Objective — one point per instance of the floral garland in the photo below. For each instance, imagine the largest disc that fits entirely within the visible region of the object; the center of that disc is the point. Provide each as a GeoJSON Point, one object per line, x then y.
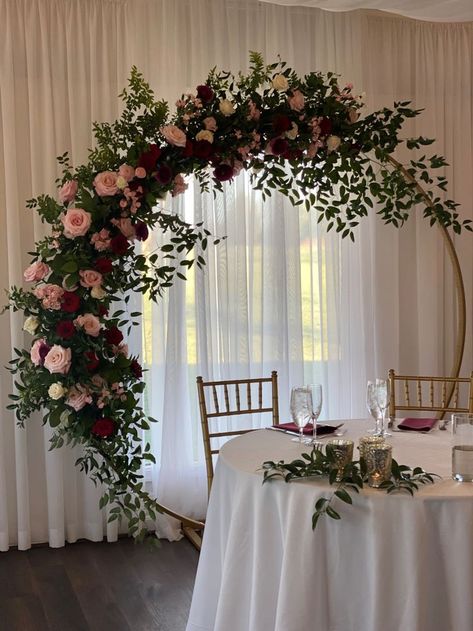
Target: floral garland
{"type": "Point", "coordinates": [301, 136]}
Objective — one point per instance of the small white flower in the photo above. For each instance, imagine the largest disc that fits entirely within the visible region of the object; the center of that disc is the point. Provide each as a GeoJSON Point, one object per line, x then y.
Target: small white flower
{"type": "Point", "coordinates": [31, 324]}
{"type": "Point", "coordinates": [333, 143]}
{"type": "Point", "coordinates": [56, 391]}
{"type": "Point", "coordinates": [205, 134]}
{"type": "Point", "coordinates": [280, 83]}
{"type": "Point", "coordinates": [98, 292]}
{"type": "Point", "coordinates": [292, 133]}
{"type": "Point", "coordinates": [226, 107]}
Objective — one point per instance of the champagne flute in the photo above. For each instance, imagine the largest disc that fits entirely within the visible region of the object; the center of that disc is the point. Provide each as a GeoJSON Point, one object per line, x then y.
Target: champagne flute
{"type": "Point", "coordinates": [301, 409]}
{"type": "Point", "coordinates": [373, 408]}
{"type": "Point", "coordinates": [315, 390]}
{"type": "Point", "coordinates": [382, 399]}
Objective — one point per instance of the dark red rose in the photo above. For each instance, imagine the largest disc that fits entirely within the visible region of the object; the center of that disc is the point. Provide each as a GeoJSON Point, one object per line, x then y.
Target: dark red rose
{"type": "Point", "coordinates": [70, 302]}
{"type": "Point", "coordinates": [103, 265]}
{"type": "Point", "coordinates": [103, 427]}
{"type": "Point", "coordinates": [325, 126]}
{"type": "Point", "coordinates": [203, 149]}
{"type": "Point", "coordinates": [279, 146]}
{"type": "Point", "coordinates": [293, 154]}
{"type": "Point", "coordinates": [164, 174]}
{"type": "Point", "coordinates": [148, 159]}
{"type": "Point", "coordinates": [65, 329]}
{"type": "Point", "coordinates": [136, 369]}
{"type": "Point", "coordinates": [119, 244]}
{"type": "Point", "coordinates": [43, 351]}
{"type": "Point", "coordinates": [281, 123]}
{"type": "Point", "coordinates": [92, 361]}
{"type": "Point", "coordinates": [103, 311]}
{"type": "Point", "coordinates": [188, 150]}
{"type": "Point", "coordinates": [205, 93]}
{"type": "Point", "coordinates": [223, 172]}
{"type": "Point", "coordinates": [113, 335]}
{"type": "Point", "coordinates": [134, 185]}
{"type": "Point", "coordinates": [141, 230]}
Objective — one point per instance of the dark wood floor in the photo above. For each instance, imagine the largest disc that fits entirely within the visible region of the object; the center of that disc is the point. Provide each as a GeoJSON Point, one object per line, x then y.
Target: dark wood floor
{"type": "Point", "coordinates": [97, 587]}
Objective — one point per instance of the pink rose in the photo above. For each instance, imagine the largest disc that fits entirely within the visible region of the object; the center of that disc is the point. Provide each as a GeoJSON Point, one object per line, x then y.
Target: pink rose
{"type": "Point", "coordinates": [174, 135]}
{"type": "Point", "coordinates": [101, 240]}
{"type": "Point", "coordinates": [296, 101]}
{"type": "Point", "coordinates": [68, 192]}
{"type": "Point", "coordinates": [76, 222]}
{"type": "Point", "coordinates": [126, 172]}
{"type": "Point", "coordinates": [210, 123]}
{"type": "Point", "coordinates": [78, 397]}
{"type": "Point", "coordinates": [58, 360]}
{"type": "Point", "coordinates": [253, 113]}
{"type": "Point", "coordinates": [179, 185]}
{"type": "Point", "coordinates": [89, 323]}
{"type": "Point", "coordinates": [36, 271]}
{"type": "Point", "coordinates": [140, 172]}
{"type": "Point", "coordinates": [125, 226]}
{"type": "Point", "coordinates": [50, 295]}
{"type": "Point", "coordinates": [38, 352]}
{"type": "Point", "coordinates": [105, 184]}
{"type": "Point", "coordinates": [90, 278]}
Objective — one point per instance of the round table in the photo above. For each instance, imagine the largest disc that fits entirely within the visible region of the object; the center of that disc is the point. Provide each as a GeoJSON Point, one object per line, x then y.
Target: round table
{"type": "Point", "coordinates": [391, 563]}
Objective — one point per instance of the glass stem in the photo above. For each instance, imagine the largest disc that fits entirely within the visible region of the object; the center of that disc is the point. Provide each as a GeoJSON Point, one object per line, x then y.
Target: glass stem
{"type": "Point", "coordinates": [301, 434]}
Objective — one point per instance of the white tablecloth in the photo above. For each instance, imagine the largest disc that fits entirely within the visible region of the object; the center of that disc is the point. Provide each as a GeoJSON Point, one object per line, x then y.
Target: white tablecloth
{"type": "Point", "coordinates": [392, 563]}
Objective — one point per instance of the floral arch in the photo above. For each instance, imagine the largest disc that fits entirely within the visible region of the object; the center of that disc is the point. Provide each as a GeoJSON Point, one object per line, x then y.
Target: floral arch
{"type": "Point", "coordinates": [301, 136]}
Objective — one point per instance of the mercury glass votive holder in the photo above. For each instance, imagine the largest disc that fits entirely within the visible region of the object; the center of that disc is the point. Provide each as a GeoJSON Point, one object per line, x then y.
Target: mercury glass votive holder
{"type": "Point", "coordinates": [368, 442]}
{"type": "Point", "coordinates": [378, 463]}
{"type": "Point", "coordinates": [342, 451]}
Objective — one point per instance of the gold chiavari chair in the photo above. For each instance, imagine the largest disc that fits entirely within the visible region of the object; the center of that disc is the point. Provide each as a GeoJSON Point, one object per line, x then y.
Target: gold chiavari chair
{"type": "Point", "coordinates": [430, 394]}
{"type": "Point", "coordinates": [233, 397]}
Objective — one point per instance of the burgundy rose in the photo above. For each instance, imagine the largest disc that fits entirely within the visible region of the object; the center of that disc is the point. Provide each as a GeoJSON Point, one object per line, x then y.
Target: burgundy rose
{"type": "Point", "coordinates": [102, 311]}
{"type": "Point", "coordinates": [203, 149]}
{"type": "Point", "coordinates": [136, 369]}
{"type": "Point", "coordinates": [188, 150]}
{"type": "Point", "coordinates": [325, 126]}
{"type": "Point", "coordinates": [92, 361]}
{"type": "Point", "coordinates": [103, 265]}
{"type": "Point", "coordinates": [65, 329]}
{"type": "Point", "coordinates": [43, 351]}
{"type": "Point", "coordinates": [113, 335]}
{"type": "Point", "coordinates": [279, 146]}
{"type": "Point", "coordinates": [205, 93]}
{"type": "Point", "coordinates": [141, 230]}
{"type": "Point", "coordinates": [164, 174]}
{"type": "Point", "coordinates": [293, 154]}
{"type": "Point", "coordinates": [148, 159]}
{"type": "Point", "coordinates": [119, 244]}
{"type": "Point", "coordinates": [103, 427]}
{"type": "Point", "coordinates": [223, 172]}
{"type": "Point", "coordinates": [70, 302]}
{"type": "Point", "coordinates": [281, 123]}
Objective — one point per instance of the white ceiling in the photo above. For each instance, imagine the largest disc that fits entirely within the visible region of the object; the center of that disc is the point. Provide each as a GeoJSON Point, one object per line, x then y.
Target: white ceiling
{"type": "Point", "coordinates": [433, 10]}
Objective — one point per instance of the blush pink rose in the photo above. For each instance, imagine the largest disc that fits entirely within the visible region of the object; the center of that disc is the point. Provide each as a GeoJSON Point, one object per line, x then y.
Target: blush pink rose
{"type": "Point", "coordinates": [179, 185]}
{"type": "Point", "coordinates": [76, 222]}
{"type": "Point", "coordinates": [105, 184]}
{"type": "Point", "coordinates": [125, 226]}
{"type": "Point", "coordinates": [58, 360]}
{"type": "Point", "coordinates": [89, 323]}
{"type": "Point", "coordinates": [36, 271]}
{"type": "Point", "coordinates": [210, 123]}
{"type": "Point", "coordinates": [90, 278]}
{"type": "Point", "coordinates": [174, 135]}
{"type": "Point", "coordinates": [78, 397]}
{"type": "Point", "coordinates": [127, 172]}
{"type": "Point", "coordinates": [101, 240]}
{"type": "Point", "coordinates": [296, 101]}
{"type": "Point", "coordinates": [50, 295]}
{"type": "Point", "coordinates": [68, 191]}
{"type": "Point", "coordinates": [38, 352]}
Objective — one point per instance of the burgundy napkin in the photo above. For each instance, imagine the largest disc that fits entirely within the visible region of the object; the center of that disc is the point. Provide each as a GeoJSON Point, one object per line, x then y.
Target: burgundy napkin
{"type": "Point", "coordinates": [417, 424]}
{"type": "Point", "coordinates": [307, 431]}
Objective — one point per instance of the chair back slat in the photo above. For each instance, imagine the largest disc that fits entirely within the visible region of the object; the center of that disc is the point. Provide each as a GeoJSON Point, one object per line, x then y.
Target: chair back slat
{"type": "Point", "coordinates": [237, 396]}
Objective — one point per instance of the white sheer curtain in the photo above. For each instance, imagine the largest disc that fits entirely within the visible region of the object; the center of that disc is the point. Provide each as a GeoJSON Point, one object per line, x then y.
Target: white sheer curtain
{"type": "Point", "coordinates": [327, 310]}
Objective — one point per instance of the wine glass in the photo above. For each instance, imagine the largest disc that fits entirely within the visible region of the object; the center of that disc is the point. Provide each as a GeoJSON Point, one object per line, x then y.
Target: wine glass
{"type": "Point", "coordinates": [315, 390]}
{"type": "Point", "coordinates": [373, 408]}
{"type": "Point", "coordinates": [301, 409]}
{"type": "Point", "coordinates": [382, 399]}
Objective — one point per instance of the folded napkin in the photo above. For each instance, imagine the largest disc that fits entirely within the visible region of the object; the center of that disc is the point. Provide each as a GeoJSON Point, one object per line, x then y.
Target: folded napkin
{"type": "Point", "coordinates": [307, 430]}
{"type": "Point", "coordinates": [417, 424]}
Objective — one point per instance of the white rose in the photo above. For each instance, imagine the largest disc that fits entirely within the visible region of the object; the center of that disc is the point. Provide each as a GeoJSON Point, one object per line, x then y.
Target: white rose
{"type": "Point", "coordinates": [121, 182]}
{"type": "Point", "coordinates": [56, 391]}
{"type": "Point", "coordinates": [98, 292]}
{"type": "Point", "coordinates": [226, 107]}
{"type": "Point", "coordinates": [292, 133]}
{"type": "Point", "coordinates": [280, 83]}
{"type": "Point", "coordinates": [205, 134]}
{"type": "Point", "coordinates": [31, 324]}
{"type": "Point", "coordinates": [333, 143]}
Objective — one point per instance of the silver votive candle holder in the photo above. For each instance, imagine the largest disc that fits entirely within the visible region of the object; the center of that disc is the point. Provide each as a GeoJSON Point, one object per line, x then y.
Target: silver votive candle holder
{"type": "Point", "coordinates": [378, 464]}
{"type": "Point", "coordinates": [342, 450]}
{"type": "Point", "coordinates": [368, 442]}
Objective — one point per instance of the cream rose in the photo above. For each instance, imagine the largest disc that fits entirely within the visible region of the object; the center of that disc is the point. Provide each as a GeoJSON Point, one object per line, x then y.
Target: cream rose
{"type": "Point", "coordinates": [292, 133]}
{"type": "Point", "coordinates": [56, 391]}
{"type": "Point", "coordinates": [333, 143]}
{"type": "Point", "coordinates": [98, 293]}
{"type": "Point", "coordinates": [90, 324]}
{"type": "Point", "coordinates": [105, 184]}
{"type": "Point", "coordinates": [31, 324]}
{"type": "Point", "coordinates": [90, 278]}
{"type": "Point", "coordinates": [36, 271]}
{"type": "Point", "coordinates": [280, 83]}
{"type": "Point", "coordinates": [226, 107]}
{"type": "Point", "coordinates": [205, 134]}
{"type": "Point", "coordinates": [68, 192]}
{"type": "Point", "coordinates": [76, 222]}
{"type": "Point", "coordinates": [58, 360]}
{"type": "Point", "coordinates": [174, 135]}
